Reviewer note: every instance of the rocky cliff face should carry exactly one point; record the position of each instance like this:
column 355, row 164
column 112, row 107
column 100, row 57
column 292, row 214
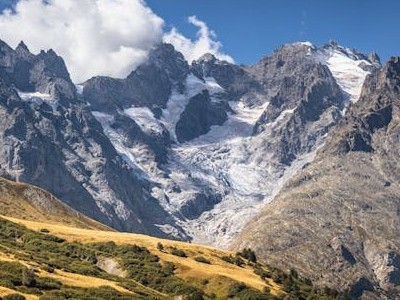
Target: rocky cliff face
column 337, row 219
column 49, row 138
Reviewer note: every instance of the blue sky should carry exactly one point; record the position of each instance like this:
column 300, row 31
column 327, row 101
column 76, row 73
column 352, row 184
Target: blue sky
column 253, row 28
column 247, row 30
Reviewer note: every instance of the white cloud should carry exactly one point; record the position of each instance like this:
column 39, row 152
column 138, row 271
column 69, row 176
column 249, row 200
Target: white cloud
column 95, row 37
column 205, row 43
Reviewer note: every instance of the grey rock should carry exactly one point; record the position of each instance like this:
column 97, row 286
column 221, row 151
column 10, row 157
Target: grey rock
column 198, row 117
column 199, row 203
column 149, row 85
column 342, row 197
column 235, row 80
column 304, row 88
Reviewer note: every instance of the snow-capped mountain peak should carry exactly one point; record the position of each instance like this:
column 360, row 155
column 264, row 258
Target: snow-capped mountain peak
column 347, row 66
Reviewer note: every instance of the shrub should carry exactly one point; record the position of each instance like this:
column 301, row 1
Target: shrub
column 294, row 273
column 196, row 295
column 238, row 261
column 202, row 259
column 100, row 293
column 14, row 297
column 107, row 247
column 248, row 254
column 160, row 246
column 236, row 288
column 46, row 283
column 168, row 268
column 266, row 289
column 239, row 290
column 28, row 278
column 228, row 259
column 178, row 252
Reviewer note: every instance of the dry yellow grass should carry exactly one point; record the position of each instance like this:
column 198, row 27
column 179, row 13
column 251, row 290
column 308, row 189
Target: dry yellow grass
column 6, row 257
column 67, row 278
column 11, row 258
column 77, row 280
column 5, row 291
column 187, row 268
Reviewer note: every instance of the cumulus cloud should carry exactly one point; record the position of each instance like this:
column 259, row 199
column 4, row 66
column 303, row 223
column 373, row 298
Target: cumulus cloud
column 205, row 43
column 95, row 37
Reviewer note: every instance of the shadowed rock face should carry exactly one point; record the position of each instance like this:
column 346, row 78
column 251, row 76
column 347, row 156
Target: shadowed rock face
column 44, row 73
column 337, row 220
column 198, row 117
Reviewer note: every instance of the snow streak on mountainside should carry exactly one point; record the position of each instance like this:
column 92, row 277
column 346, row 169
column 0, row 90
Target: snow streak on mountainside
column 236, row 134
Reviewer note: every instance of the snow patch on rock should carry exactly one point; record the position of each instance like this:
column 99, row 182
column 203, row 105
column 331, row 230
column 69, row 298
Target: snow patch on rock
column 39, row 98
column 144, row 117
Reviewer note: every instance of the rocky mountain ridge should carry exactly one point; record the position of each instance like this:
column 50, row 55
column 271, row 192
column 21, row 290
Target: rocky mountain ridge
column 337, row 219
column 227, row 135
column 202, row 147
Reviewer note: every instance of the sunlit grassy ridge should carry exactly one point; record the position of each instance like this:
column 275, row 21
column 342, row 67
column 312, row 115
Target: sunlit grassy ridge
column 218, row 273
column 66, row 262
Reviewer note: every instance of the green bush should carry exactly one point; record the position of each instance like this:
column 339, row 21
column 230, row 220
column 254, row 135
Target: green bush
column 178, row 252
column 238, row 261
column 228, row 259
column 160, row 246
column 239, row 290
column 168, row 268
column 248, row 254
column 202, row 259
column 262, row 273
column 28, row 278
column 196, row 295
column 101, row 293
column 236, row 288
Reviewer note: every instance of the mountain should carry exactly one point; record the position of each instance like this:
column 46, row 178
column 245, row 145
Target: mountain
column 195, row 151
column 337, row 219
column 184, row 151
column 217, row 140
column 49, row 138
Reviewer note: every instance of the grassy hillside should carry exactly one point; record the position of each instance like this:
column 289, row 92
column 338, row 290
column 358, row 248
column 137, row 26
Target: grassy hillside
column 52, row 261
column 24, row 201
